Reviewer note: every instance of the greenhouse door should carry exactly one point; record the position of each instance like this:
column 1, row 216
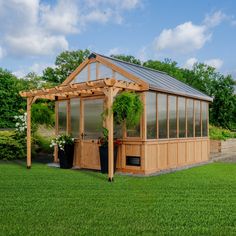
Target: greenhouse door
column 92, row 127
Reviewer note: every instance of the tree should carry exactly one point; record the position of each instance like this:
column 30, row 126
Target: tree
column 222, row 111
column 11, row 101
column 127, row 58
column 65, row 64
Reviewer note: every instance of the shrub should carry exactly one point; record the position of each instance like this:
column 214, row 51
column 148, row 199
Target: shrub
column 41, row 114
column 218, row 133
column 12, row 146
column 41, row 144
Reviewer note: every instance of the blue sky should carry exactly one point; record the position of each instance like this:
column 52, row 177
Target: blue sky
column 33, row 32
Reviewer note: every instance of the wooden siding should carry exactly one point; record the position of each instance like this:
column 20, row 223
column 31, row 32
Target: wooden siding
column 163, row 155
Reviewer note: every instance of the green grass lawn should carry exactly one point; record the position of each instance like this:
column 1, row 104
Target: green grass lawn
column 51, row 201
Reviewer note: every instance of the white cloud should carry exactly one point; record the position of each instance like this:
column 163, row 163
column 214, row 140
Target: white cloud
column 2, row 53
column 37, row 68
column 142, row 54
column 35, row 28
column 62, row 18
column 183, row 38
column 215, row 62
column 214, row 19
column 233, row 22
column 189, row 37
column 117, row 50
column 98, row 16
column 190, row 63
column 19, row 73
column 129, row 4
column 36, row 44
column 121, row 4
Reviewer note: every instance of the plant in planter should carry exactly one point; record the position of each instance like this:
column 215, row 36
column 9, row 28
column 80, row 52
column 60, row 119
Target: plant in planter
column 65, row 145
column 127, row 109
column 103, row 151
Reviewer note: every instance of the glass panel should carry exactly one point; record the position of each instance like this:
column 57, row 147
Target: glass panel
column 104, row 72
column 118, row 131
column 204, row 119
column 82, row 76
column 182, row 117
column 197, row 108
column 93, row 71
column 172, row 117
column 134, row 132
column 162, row 115
column 75, row 116
column 118, row 76
column 189, row 117
column 62, row 112
column 93, row 109
column 151, row 108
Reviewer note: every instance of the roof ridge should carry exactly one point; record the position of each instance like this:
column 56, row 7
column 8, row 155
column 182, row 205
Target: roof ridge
column 129, row 63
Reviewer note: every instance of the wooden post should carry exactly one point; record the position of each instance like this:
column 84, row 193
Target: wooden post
column 110, row 136
column 29, row 103
column 56, row 130
column 68, row 118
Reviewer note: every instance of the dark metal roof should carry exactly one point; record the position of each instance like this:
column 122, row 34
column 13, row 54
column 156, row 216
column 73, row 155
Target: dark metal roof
column 158, row 80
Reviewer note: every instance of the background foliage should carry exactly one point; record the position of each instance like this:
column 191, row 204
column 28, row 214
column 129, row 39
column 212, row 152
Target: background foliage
column 201, row 77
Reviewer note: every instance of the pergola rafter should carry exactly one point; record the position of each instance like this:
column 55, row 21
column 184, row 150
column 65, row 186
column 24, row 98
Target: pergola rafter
column 82, row 88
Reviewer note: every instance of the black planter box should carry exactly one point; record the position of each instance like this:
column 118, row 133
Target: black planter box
column 66, row 156
column 103, row 151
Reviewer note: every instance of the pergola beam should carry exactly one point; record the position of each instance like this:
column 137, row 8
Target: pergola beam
column 89, row 87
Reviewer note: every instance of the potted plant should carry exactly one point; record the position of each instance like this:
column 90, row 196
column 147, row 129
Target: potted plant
column 127, row 109
column 103, row 151
column 65, row 145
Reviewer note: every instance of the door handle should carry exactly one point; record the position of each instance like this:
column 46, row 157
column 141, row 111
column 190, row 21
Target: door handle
column 83, row 135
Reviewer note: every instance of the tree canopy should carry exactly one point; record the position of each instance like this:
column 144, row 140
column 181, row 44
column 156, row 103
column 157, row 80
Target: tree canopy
column 65, row 64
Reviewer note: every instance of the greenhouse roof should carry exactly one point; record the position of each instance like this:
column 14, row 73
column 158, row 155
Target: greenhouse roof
column 157, row 80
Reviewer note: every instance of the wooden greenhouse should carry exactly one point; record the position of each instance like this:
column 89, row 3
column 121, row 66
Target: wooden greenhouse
column 173, row 129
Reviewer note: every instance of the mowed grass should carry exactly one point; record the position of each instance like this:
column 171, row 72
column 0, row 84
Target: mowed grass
column 50, row 201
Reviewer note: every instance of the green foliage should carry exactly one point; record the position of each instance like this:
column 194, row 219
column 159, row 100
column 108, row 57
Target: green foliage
column 12, row 146
column 42, row 144
column 65, row 63
column 218, row 133
column 104, row 139
column 11, row 102
column 127, row 58
column 42, row 114
column 52, row 201
column 222, row 110
column 127, row 107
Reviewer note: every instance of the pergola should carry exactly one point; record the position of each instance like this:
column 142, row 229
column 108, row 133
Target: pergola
column 107, row 86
